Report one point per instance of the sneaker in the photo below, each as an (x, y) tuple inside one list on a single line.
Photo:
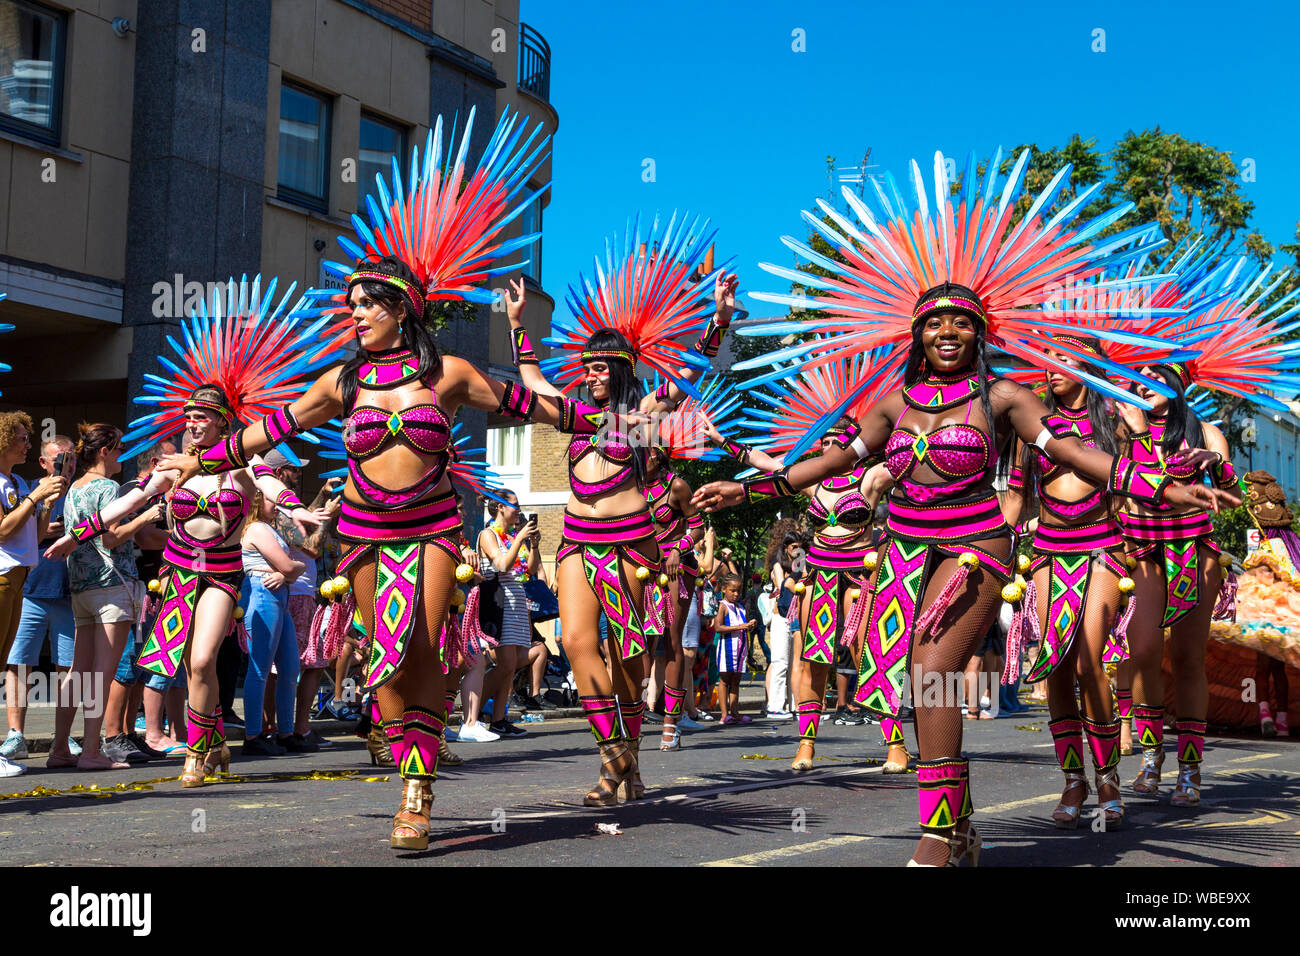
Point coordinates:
[(503, 728), (518, 703), (450, 734), (540, 703), (686, 723), (140, 726), (476, 734), (841, 716), (74, 747), (852, 718), (262, 746), (232, 719), (779, 715), (121, 750), (297, 744), (139, 743), (337, 710), (14, 747), (312, 737), (705, 716), (10, 769)]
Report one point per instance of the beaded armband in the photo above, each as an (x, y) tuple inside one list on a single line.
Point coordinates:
[(766, 487), (579, 418), (226, 456), (288, 500), (92, 527), (687, 544), (846, 436), (279, 425), (263, 471), (711, 338), (1016, 479), (1137, 481), (517, 402), (1144, 449), (661, 393), (737, 450), (1223, 474), (522, 348)]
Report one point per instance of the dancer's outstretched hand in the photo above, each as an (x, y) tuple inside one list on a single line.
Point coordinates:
[(1199, 496), (717, 495)]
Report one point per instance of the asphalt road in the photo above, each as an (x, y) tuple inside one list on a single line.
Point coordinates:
[(727, 798)]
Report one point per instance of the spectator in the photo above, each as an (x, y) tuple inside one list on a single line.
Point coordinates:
[(47, 609), (785, 559), (691, 628), (268, 572), (732, 628), (106, 599), (508, 554)]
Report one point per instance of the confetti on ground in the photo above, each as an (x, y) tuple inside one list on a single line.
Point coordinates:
[(1029, 727), (609, 828)]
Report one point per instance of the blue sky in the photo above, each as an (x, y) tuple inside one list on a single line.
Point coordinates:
[(739, 125)]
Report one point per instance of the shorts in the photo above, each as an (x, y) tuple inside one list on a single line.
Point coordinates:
[(691, 627), (11, 606), (110, 605), (994, 641), (162, 683), (41, 617), (127, 672)]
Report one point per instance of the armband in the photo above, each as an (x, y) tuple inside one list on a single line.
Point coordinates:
[(579, 418), (1043, 438), (92, 527), (288, 500), (226, 456), (737, 450), (661, 393), (263, 471), (687, 544), (517, 402), (1137, 481), (522, 348), (1224, 475), (1016, 479), (767, 487), (279, 425), (711, 338)]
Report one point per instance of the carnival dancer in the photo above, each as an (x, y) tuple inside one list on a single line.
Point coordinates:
[(242, 355), (641, 302), (939, 288)]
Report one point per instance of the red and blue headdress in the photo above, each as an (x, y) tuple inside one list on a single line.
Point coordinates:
[(681, 431)]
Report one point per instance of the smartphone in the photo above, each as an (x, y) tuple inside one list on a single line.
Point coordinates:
[(61, 462)]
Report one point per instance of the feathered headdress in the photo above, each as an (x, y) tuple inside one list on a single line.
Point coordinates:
[(1001, 271), (447, 227), (646, 291), (256, 350), (468, 465), (681, 432)]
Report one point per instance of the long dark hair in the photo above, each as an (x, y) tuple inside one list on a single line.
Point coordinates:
[(625, 389), (1101, 415), (419, 339), (1181, 423)]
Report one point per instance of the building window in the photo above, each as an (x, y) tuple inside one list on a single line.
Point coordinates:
[(531, 221), (380, 142), (507, 447), (304, 147), (31, 69)]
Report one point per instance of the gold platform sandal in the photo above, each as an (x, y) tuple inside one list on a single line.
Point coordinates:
[(413, 816), (616, 765)]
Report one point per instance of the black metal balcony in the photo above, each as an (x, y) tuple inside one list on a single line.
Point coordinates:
[(534, 63)]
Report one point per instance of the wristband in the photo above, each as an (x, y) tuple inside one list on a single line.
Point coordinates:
[(737, 450), (767, 487), (287, 499), (522, 348), (1137, 481), (579, 418), (711, 338), (661, 393), (226, 456), (1223, 474), (279, 425), (517, 402), (92, 527), (263, 471)]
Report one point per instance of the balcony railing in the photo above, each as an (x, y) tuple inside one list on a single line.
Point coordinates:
[(534, 63)]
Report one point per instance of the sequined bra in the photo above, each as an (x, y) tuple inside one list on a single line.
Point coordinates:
[(1063, 423), (849, 510), (669, 522), (960, 454), (616, 449), (228, 504)]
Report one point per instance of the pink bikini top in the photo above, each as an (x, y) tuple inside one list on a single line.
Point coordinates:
[(1063, 423), (962, 454), (849, 510), (617, 450), (225, 502), (669, 521)]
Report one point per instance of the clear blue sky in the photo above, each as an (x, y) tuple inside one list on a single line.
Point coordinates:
[(739, 125)]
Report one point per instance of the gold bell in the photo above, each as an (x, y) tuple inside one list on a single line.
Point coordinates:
[(853, 593), (155, 586), (799, 587), (663, 580), (1013, 592), (327, 590), (1126, 585), (1225, 559), (1131, 561), (870, 561), (1019, 579), (458, 599), (642, 574), (464, 573), (1022, 563), (239, 613), (970, 560), (341, 586)]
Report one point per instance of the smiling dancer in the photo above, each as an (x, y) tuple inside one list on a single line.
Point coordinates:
[(938, 289)]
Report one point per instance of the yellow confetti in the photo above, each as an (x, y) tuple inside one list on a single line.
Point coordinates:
[(1029, 727)]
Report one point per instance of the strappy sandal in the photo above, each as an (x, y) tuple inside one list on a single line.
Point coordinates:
[(802, 763), (633, 788), (953, 856), (1147, 781), (1126, 733), (1065, 816), (381, 753), (413, 815), (1112, 811), (973, 846), (616, 765), (192, 773), (894, 766), (1187, 792), (445, 757), (217, 758), (670, 738)]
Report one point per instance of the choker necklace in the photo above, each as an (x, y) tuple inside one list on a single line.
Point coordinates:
[(937, 393), (387, 368)]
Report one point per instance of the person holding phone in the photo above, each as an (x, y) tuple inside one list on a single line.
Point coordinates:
[(508, 556)]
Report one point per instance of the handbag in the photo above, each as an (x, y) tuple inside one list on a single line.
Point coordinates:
[(543, 605)]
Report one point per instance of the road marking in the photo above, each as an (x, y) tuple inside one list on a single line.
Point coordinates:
[(798, 849), (1246, 770), (1255, 756), (1016, 804), (1269, 818)]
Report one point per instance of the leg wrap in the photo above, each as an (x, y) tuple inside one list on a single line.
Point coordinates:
[(602, 715), (449, 703), (629, 718), (673, 697), (943, 792), (1104, 741), (1191, 740), (1149, 726), (1067, 738), (376, 717), (393, 734), (892, 731), (199, 730), (1124, 704), (218, 728), (421, 735), (810, 715)]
